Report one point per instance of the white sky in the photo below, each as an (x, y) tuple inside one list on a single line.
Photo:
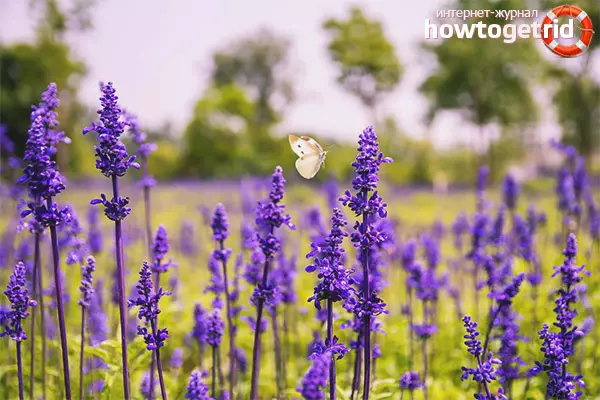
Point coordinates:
[(158, 56)]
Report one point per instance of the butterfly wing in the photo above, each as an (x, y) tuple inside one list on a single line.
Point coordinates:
[(309, 165), (312, 143), (302, 147)]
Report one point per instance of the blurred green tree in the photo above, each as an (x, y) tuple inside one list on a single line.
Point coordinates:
[(258, 64), (369, 67), (27, 68), (488, 80), (231, 132), (577, 96)]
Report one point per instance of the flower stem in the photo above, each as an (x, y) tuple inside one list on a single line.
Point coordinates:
[(214, 372), (357, 366), (153, 361), (367, 322), (42, 327), (121, 287), (278, 361), (332, 393), (230, 327), (161, 380), (60, 307), (257, 332), (489, 330), (36, 267), (81, 352), (20, 370)]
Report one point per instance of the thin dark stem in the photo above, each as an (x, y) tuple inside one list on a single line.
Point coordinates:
[(163, 391), (367, 322), (153, 361), (42, 327), (332, 393), (214, 372), (489, 330), (424, 351), (81, 352), (286, 339), (36, 267), (411, 334), (278, 361), (485, 385), (220, 372), (257, 333), (230, 327), (357, 367), (60, 306), (121, 287), (20, 370), (148, 215)]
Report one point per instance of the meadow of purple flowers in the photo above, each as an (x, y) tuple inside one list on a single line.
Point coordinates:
[(246, 292)]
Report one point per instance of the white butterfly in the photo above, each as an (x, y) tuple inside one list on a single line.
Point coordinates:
[(311, 155)]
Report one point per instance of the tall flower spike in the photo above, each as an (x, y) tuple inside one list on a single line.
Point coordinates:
[(367, 203), (18, 297), (196, 389), (220, 224), (147, 301), (510, 192), (335, 280), (111, 155), (270, 215), (86, 288)]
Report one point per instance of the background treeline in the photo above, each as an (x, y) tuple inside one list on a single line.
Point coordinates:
[(235, 127)]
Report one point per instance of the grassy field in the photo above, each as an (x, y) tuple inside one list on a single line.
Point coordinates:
[(414, 212)]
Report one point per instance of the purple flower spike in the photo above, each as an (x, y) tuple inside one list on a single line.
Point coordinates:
[(86, 289), (314, 382), (197, 389), (559, 346), (219, 224), (112, 158), (411, 381), (147, 301), (510, 192), (18, 297)]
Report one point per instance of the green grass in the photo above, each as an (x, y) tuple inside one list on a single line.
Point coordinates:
[(415, 212)]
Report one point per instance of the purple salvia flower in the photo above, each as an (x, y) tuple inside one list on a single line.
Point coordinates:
[(565, 190), (332, 192), (12, 321), (86, 288), (482, 177), (187, 240), (558, 346), (485, 372), (367, 203), (97, 320), (177, 358), (410, 381), (314, 382), (510, 192), (199, 330), (270, 215), (220, 224), (70, 237), (496, 236), (214, 328), (95, 240), (459, 228), (147, 302), (46, 111), (160, 248), (112, 158), (18, 297), (197, 389), (335, 281), (432, 251)]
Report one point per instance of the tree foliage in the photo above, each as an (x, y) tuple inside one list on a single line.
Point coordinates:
[(369, 67)]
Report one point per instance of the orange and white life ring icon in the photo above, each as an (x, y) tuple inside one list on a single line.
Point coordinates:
[(582, 44)]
